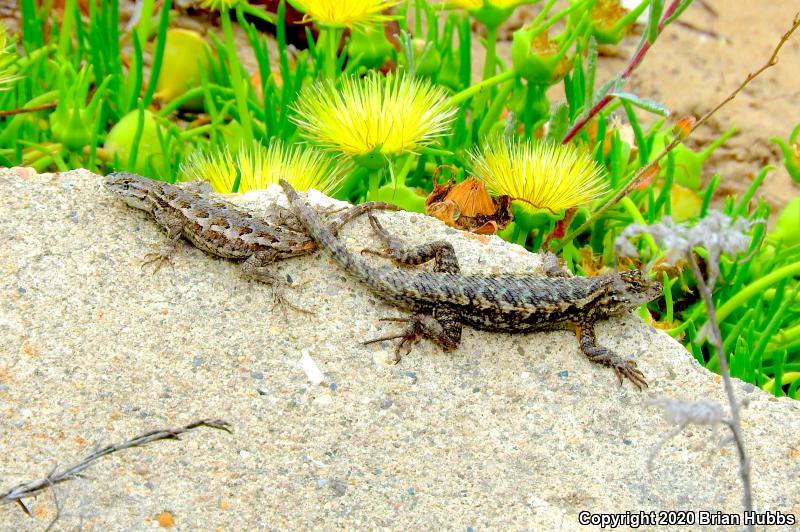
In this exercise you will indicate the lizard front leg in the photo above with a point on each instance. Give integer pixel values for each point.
(440, 251)
(354, 212)
(174, 227)
(257, 267)
(624, 368)
(553, 267)
(442, 327)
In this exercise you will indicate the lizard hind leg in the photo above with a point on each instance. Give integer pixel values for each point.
(623, 368)
(442, 329)
(257, 267)
(440, 251)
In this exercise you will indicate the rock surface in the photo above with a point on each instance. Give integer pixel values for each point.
(508, 431)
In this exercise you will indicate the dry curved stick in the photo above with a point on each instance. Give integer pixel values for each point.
(56, 476)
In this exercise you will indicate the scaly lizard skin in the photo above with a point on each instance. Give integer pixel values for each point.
(222, 229)
(444, 299)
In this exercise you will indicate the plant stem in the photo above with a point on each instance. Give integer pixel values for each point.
(634, 213)
(327, 50)
(521, 233)
(158, 55)
(65, 34)
(58, 475)
(258, 13)
(374, 184)
(734, 423)
(237, 80)
(473, 90)
(34, 109)
(491, 52)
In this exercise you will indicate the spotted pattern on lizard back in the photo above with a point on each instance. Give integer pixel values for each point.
(445, 299)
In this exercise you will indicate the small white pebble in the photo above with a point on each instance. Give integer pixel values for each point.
(310, 367)
(323, 400)
(524, 375)
(381, 358)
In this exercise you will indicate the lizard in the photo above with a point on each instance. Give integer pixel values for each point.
(445, 299)
(221, 228)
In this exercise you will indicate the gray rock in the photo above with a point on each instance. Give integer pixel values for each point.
(507, 431)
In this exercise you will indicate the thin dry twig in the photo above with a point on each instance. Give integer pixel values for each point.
(42, 107)
(715, 336)
(718, 234)
(16, 493)
(645, 170)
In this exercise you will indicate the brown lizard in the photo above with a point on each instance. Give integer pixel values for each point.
(222, 229)
(445, 299)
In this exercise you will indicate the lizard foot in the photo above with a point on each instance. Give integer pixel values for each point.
(158, 258)
(280, 300)
(623, 368)
(408, 338)
(421, 325)
(375, 252)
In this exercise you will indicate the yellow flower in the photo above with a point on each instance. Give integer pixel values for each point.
(302, 166)
(545, 176)
(373, 115)
(348, 13)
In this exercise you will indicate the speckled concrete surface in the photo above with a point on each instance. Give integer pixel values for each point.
(508, 431)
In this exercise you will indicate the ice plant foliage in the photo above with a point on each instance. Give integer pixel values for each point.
(7, 59)
(545, 176)
(345, 13)
(388, 115)
(258, 166)
(471, 5)
(219, 5)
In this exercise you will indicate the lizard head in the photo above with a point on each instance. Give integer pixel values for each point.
(637, 288)
(130, 188)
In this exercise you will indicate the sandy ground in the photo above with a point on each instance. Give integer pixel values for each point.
(716, 49)
(701, 59)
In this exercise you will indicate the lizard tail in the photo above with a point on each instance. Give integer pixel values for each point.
(325, 238)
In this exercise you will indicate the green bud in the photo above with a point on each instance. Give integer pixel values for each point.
(449, 72)
(604, 18)
(120, 139)
(528, 216)
(428, 57)
(402, 196)
(787, 228)
(791, 153)
(537, 58)
(184, 62)
(369, 46)
(373, 160)
(492, 15)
